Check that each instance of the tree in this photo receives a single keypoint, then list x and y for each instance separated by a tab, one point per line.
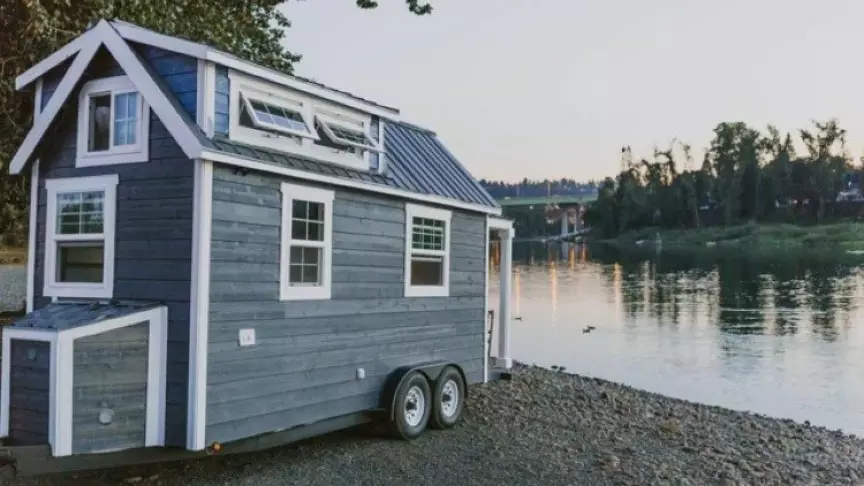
30	30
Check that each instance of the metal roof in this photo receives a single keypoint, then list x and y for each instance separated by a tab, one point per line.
59	317
419	162
416	161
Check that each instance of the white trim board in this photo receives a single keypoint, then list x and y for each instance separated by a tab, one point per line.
104	34
196	412
31	243
57	57
240	161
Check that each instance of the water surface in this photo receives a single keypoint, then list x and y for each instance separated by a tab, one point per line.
778	335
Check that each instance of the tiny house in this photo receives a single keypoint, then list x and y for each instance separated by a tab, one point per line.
220	253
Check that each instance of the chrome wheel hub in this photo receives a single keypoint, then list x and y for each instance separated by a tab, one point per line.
450	398
415	406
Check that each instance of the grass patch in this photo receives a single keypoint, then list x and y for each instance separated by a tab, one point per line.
12	255
754	237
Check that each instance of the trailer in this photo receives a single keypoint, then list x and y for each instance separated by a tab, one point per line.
226	258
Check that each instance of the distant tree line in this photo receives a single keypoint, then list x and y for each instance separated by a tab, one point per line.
744	176
537	188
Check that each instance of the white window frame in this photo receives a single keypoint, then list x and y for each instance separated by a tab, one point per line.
124	154
290	193
248	94
55	187
311	109
326	121
412	211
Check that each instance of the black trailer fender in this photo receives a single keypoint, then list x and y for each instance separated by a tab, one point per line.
394	380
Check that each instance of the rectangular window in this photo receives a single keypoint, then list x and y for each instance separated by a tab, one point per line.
427	252
277	115
307	229
344	136
113	123
79	237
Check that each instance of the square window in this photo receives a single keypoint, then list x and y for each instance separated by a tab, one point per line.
113	123
428	254
80	262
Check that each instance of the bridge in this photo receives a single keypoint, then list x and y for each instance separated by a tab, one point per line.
568	209
520	201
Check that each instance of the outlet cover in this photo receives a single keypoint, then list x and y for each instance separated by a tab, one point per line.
247	337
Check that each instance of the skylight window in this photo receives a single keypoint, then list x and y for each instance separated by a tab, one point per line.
277	117
342	136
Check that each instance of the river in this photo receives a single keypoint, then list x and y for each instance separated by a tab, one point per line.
781	336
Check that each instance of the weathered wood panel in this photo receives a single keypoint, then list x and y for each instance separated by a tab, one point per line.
304	365
29	391
110	373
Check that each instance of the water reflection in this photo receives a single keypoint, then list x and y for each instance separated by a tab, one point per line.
776	335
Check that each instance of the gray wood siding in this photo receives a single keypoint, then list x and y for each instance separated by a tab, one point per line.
304	364
29	392
154	232
110	371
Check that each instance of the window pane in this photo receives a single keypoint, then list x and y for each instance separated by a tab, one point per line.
100	123
300	209
261	112
349	135
120	133
427	271
80	262
316	211
304	265
427	234
120	107
80	212
298	230
316	232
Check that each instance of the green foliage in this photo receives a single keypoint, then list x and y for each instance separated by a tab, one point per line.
745	176
30	30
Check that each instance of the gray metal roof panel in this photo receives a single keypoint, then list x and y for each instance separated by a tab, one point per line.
222	144
62	316
420	162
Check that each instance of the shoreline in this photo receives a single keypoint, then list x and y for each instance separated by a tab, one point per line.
545	427
847	237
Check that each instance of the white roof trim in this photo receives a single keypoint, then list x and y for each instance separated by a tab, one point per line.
241	161
135	33
104	34
50	62
89	46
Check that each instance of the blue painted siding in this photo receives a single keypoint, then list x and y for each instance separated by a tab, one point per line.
50	81
153	238
179	72
303	367
29	388
223	94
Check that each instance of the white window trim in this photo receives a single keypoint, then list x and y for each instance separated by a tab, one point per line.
248	95
311	109
412	211
326	123
53	187
290	192
139	152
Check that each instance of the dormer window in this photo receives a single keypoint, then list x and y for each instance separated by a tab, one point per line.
344	135
113	123
283	117
266	115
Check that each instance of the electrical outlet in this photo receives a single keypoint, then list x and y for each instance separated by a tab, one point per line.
247	337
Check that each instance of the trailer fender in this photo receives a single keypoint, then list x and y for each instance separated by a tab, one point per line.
394	380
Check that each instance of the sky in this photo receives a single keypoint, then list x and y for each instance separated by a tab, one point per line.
554	88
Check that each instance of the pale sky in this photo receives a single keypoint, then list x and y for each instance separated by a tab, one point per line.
554	88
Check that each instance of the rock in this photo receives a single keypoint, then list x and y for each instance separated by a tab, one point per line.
133	480
670	426
610	462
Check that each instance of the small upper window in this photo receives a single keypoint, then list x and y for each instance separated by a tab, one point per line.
284	117
307	229
344	136
113	123
427	252
79	237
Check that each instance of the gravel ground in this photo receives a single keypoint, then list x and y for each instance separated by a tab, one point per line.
13	287
547	428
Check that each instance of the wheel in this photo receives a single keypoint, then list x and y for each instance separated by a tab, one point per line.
448	400
412	407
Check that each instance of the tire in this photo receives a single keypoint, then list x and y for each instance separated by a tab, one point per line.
448	399
412	407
